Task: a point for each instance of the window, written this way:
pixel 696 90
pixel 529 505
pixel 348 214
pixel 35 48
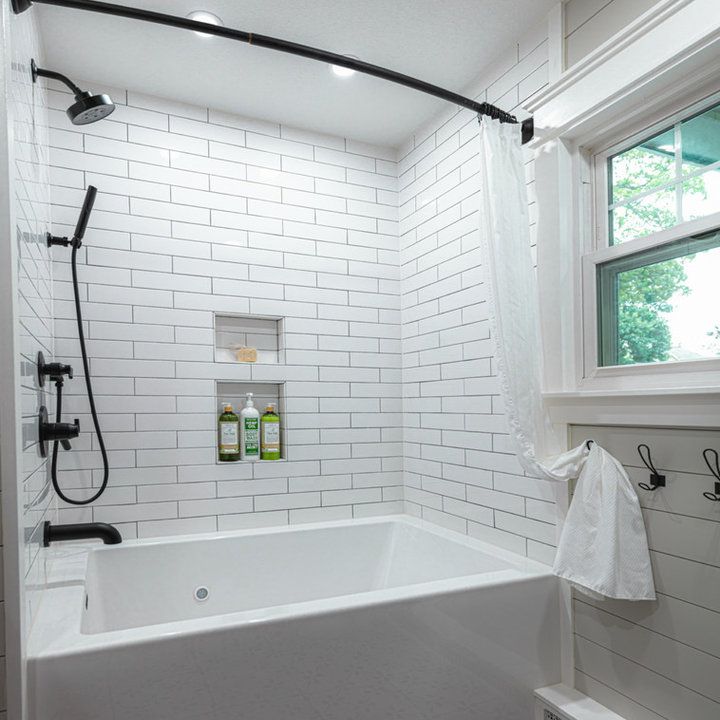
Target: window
pixel 653 275
pixel 662 304
pixel 666 180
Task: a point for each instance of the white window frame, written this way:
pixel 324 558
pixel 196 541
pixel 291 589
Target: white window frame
pixel 595 250
pixel 643 75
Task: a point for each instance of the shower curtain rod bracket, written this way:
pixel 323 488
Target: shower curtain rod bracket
pixel 133 13
pixel 528 130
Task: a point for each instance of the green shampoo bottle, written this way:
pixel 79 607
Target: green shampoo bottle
pixel 270 434
pixel 228 435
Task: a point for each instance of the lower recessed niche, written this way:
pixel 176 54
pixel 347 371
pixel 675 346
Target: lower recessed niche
pixel 235 393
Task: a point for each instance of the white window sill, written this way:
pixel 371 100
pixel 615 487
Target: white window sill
pixel 697 407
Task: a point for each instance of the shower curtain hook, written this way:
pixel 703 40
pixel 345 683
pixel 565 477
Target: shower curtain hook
pixel 715 497
pixel 656 479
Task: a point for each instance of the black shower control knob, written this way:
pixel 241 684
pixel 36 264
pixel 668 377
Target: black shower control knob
pixel 59 431
pixel 54 370
pixel 57 370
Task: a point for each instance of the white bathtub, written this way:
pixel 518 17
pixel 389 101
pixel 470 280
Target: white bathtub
pixel 383 619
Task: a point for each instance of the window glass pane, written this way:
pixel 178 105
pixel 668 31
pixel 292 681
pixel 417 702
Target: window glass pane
pixel 701 195
pixel 643 167
pixel 661 305
pixel 701 140
pixel 641 217
pixel 670 178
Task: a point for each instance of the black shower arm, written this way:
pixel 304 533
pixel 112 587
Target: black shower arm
pixel 40 72
pixel 288 47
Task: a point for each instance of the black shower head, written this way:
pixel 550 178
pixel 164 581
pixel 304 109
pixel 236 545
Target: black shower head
pixel 87 108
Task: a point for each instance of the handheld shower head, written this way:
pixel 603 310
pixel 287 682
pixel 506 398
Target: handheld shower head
pixel 81 226
pixel 87 207
pixel 87 108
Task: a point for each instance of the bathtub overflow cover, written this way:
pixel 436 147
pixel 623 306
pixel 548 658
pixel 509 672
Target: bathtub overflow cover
pixel 202 593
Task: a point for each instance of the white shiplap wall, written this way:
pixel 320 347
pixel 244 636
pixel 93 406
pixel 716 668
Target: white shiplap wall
pixel 200 211
pixel 660 660
pixel 460 469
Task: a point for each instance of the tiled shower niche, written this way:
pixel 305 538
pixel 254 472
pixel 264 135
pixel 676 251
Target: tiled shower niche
pixel 235 393
pixel 234 332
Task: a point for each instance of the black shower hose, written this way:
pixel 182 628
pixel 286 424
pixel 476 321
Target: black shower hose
pixel 91 399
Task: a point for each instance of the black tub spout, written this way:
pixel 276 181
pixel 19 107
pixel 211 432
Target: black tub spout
pixel 80 531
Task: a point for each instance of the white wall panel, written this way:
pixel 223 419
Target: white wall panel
pixel 660 659
pixel 589 23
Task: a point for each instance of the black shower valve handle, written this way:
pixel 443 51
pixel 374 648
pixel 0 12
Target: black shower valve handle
pixel 55 431
pixel 61 431
pixel 66 443
pixel 74 425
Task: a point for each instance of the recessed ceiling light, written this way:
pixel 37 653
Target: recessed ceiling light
pixel 204 17
pixel 341 71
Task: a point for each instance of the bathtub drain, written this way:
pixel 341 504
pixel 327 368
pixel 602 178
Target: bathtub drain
pixel 201 593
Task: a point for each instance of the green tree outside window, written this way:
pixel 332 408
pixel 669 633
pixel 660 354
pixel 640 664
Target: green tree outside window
pixel 644 294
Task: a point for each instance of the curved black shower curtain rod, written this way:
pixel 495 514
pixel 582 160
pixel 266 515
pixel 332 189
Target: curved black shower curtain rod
pixel 265 41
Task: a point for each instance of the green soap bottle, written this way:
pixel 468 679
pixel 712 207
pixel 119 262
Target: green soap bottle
pixel 270 434
pixel 228 435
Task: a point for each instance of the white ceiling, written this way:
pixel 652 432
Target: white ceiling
pixel 446 42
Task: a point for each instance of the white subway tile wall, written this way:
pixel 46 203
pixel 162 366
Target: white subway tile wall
pixel 460 470
pixel 655 661
pixel 30 201
pixel 202 213
pixel 387 408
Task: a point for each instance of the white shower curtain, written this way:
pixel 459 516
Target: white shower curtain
pixel 603 548
pixel 513 299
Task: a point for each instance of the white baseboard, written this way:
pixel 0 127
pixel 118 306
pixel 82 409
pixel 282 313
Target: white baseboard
pixel 568 704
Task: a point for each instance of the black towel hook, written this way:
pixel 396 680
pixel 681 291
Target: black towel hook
pixel 588 444
pixel 656 479
pixel 715 497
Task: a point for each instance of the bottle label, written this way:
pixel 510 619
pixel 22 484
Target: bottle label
pixel 251 435
pixel 271 436
pixel 229 437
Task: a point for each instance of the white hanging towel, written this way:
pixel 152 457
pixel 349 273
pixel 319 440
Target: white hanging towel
pixel 603 550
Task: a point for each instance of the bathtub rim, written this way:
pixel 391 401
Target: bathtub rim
pixel 56 630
